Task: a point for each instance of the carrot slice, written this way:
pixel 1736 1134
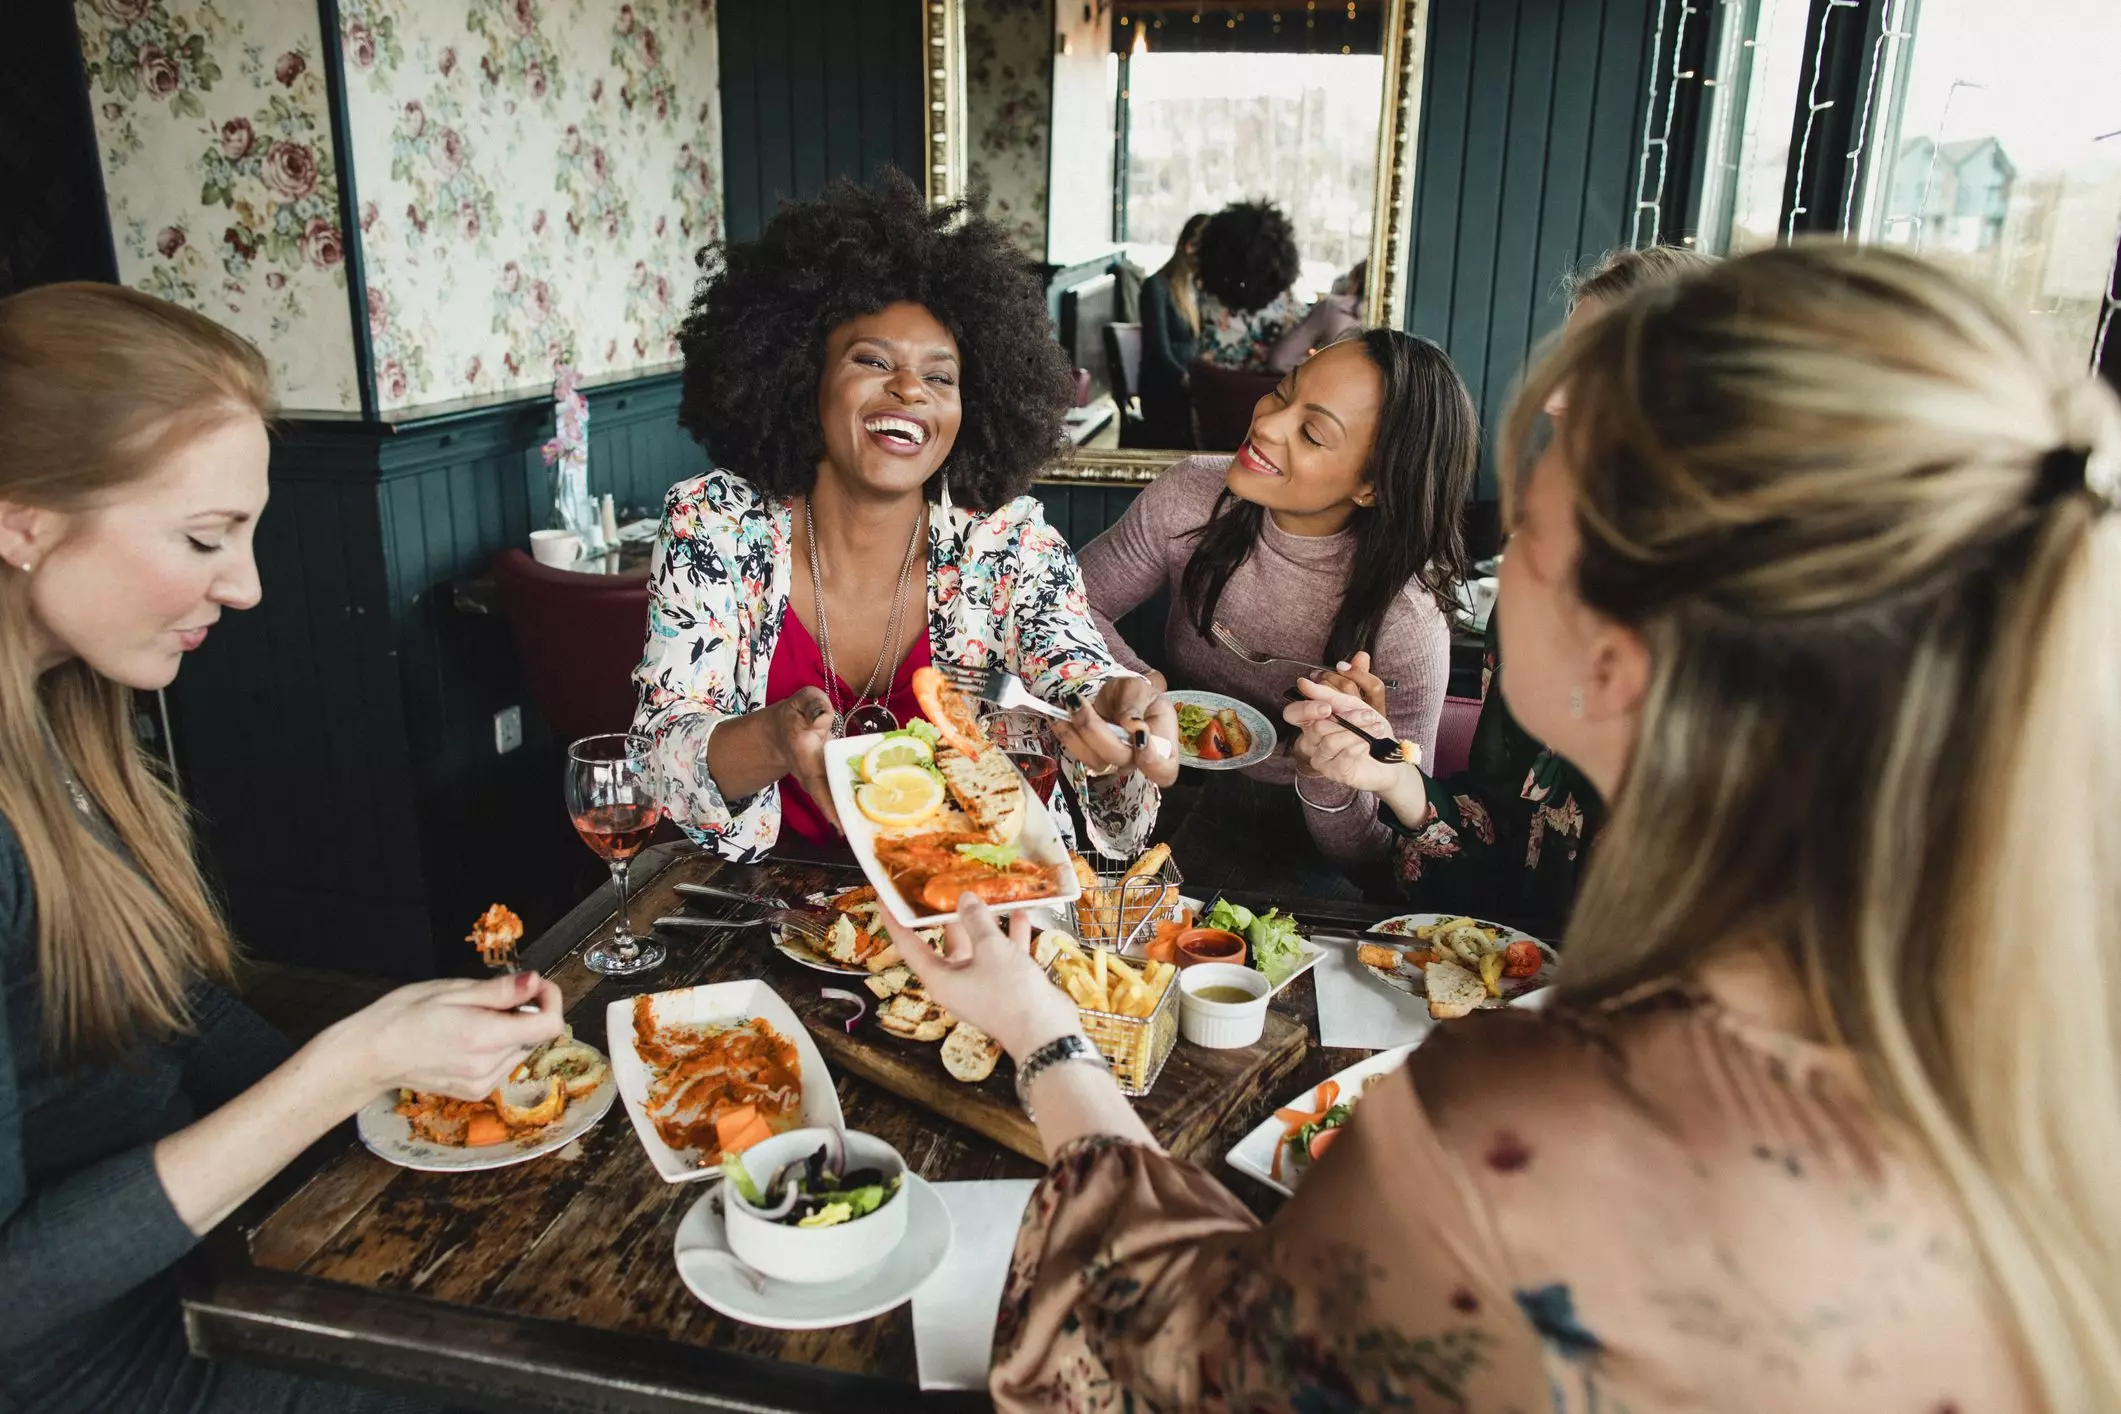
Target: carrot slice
pixel 732 1122
pixel 485 1127
pixel 947 709
pixel 1327 1093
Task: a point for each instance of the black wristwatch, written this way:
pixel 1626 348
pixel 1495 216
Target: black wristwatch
pixel 1074 1046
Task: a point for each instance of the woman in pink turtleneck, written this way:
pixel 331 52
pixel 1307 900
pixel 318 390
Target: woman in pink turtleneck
pixel 1333 536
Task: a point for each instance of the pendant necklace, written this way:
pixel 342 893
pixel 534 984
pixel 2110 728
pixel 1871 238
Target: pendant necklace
pixel 861 716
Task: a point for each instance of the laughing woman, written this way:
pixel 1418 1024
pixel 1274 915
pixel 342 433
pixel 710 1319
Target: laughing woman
pixel 1332 537
pixel 875 383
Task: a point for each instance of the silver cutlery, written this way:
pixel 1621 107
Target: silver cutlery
pixel 1261 660
pixel 732 895
pixel 1007 691
pixel 1384 749
pixel 686 923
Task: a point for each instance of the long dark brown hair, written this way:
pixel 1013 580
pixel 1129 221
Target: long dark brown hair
pixel 1421 467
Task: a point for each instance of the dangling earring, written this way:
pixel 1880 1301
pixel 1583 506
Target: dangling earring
pixel 1576 702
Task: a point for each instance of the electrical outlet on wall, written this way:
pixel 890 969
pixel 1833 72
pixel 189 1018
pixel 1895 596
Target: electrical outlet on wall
pixel 507 730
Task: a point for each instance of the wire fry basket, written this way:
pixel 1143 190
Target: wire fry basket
pixel 1122 913
pixel 1136 1046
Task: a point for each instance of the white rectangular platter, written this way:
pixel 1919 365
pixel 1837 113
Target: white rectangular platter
pixel 713 1002
pixel 1040 842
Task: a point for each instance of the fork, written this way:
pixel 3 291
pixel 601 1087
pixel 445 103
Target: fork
pixel 1384 749
pixel 1006 690
pixel 1261 660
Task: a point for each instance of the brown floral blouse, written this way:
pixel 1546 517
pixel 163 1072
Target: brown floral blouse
pixel 1651 1206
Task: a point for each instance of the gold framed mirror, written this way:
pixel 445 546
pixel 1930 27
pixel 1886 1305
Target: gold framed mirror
pixel 1404 36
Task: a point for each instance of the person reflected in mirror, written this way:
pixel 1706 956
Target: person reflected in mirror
pixel 1508 836
pixel 1337 315
pixel 1248 268
pixel 1333 537
pixel 876 383
pixel 1815 583
pixel 1170 310
pixel 140 1101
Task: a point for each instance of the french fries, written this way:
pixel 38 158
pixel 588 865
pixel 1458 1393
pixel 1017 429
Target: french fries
pixel 1100 980
pixel 1112 910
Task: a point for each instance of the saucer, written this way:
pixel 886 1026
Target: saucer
pixel 790 1306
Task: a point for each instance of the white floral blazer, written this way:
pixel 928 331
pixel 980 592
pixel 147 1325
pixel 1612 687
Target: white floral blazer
pixel 1003 587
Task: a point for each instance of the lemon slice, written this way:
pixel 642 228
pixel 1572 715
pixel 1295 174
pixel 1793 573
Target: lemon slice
pixel 899 795
pixel 898 751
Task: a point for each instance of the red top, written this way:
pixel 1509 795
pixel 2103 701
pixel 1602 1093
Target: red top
pixel 798 664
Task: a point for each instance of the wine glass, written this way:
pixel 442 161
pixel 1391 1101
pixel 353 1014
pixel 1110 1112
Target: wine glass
pixel 612 799
pixel 1023 737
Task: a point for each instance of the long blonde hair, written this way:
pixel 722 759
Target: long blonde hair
pixel 1182 271
pixel 98 386
pixel 1863 522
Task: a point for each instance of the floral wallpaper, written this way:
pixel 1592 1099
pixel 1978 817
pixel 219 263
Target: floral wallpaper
pixel 1008 94
pixel 534 178
pixel 220 177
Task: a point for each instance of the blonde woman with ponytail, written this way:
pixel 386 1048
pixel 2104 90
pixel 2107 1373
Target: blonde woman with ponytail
pixel 140 1103
pixel 1816 582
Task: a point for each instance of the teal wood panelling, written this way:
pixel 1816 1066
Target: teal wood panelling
pixel 337 741
pixel 1081 513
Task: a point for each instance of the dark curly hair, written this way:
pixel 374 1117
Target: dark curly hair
pixel 754 339
pixel 1248 255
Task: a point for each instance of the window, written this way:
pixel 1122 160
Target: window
pixel 1759 72
pixel 1998 151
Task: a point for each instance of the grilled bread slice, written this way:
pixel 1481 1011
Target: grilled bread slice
pixel 1453 991
pixel 969 1054
pixel 989 791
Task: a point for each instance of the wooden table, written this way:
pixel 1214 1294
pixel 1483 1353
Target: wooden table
pixel 551 1285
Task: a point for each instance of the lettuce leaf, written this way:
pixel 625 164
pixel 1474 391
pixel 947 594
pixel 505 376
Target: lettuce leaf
pixel 1229 917
pixel 740 1178
pixel 1275 945
pixel 994 856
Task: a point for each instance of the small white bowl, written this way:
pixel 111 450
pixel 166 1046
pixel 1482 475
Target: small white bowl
pixel 814 1255
pixel 1222 1026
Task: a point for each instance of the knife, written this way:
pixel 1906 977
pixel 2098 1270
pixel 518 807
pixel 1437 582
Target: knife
pixel 731 895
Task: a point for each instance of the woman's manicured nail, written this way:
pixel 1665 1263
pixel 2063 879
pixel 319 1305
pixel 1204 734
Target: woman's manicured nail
pixel 1342 666
pixel 1141 739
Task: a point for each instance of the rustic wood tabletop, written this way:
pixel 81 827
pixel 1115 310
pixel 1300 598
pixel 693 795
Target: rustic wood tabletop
pixel 551 1284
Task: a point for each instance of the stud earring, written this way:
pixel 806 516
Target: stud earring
pixel 1576 702
pixel 28 565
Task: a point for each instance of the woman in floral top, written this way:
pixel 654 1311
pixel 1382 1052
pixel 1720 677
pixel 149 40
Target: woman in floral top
pixel 1248 262
pixel 875 383
pixel 1806 1125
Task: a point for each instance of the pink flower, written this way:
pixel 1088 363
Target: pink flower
pixel 447 64
pixel 611 225
pixel 650 50
pixel 537 222
pixel 661 222
pixel 473 369
pixel 599 168
pixel 239 243
pixel 571 143
pixel 662 292
pixel 123 11
pixel 237 139
pixel 412 214
pixel 392 378
pixel 169 241
pixel 524 14
pixel 625 19
pixel 290 169
pixel 611 351
pixel 322 244
pixel 487 68
pixel 159 74
pixel 290 67
pixel 378 311
pixel 540 300
pixel 274 280
pixel 467 220
pixel 113 112
pixel 511 278
pixel 368 214
pixel 534 74
pixel 640 272
pixel 414 120
pixel 449 151
pixel 360 45
pixel 596 92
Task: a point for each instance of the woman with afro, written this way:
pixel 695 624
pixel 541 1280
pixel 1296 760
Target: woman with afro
pixel 1248 262
pixel 874 381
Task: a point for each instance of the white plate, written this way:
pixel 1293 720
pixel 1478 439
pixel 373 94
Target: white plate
pixel 1254 1153
pixel 817 962
pixel 718 1002
pixel 1409 983
pixel 1040 842
pixel 1262 730
pixel 390 1135
pixel 789 1306
pixel 1310 952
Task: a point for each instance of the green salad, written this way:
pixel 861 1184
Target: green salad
pixel 1277 949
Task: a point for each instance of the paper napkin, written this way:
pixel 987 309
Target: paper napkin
pixel 1359 1013
pixel 954 1311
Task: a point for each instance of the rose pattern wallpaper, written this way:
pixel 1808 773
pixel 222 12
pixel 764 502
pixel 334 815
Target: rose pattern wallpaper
pixel 219 173
pixel 534 176
pixel 534 179
pixel 1008 101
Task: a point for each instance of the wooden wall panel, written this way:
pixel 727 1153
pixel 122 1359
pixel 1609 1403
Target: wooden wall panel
pixel 828 88
pixel 1531 119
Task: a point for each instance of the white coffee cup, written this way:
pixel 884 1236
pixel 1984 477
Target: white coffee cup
pixel 556 548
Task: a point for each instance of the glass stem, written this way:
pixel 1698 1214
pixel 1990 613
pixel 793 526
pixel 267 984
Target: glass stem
pixel 622 939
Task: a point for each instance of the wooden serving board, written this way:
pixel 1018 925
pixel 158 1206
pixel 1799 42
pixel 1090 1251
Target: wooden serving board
pixel 1197 1090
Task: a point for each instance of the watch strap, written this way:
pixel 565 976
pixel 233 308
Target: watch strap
pixel 1073 1047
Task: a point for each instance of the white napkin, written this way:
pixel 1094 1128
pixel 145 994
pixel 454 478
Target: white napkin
pixel 954 1311
pixel 1361 1014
